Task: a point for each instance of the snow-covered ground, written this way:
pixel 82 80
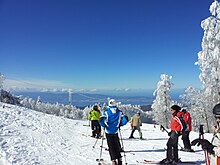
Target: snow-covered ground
pixel 28 138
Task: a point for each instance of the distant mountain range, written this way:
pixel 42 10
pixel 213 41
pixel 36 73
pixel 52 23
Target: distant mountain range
pixel 85 99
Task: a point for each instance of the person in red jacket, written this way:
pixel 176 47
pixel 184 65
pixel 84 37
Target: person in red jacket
pixel 172 144
pixel 185 136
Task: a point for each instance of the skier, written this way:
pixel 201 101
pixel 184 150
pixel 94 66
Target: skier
pixel 212 148
pixel 136 124
pixel 185 136
pixel 172 144
pixel 94 116
pixel 111 119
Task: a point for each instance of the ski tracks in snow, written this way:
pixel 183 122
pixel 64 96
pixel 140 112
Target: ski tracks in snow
pixel 33 138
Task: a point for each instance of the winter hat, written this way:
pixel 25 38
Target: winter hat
pixel 184 110
pixel 95 107
pixel 112 102
pixel 176 107
pixel 216 109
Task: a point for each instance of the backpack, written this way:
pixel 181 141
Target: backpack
pixel 183 124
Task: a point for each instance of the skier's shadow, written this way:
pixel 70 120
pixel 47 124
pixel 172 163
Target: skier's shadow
pixel 199 162
pixel 158 150
pixel 158 139
pixel 145 139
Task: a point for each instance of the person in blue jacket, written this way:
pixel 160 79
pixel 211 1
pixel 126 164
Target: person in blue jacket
pixel 112 118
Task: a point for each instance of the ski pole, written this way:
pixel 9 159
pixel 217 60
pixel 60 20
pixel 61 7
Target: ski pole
pixel 95 143
pixel 164 129
pixel 100 156
pixel 201 136
pixel 122 146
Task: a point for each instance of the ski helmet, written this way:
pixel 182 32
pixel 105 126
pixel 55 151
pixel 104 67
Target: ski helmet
pixel 216 109
pixel 112 102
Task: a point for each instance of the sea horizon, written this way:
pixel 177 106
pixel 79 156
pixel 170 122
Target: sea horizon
pixel 87 99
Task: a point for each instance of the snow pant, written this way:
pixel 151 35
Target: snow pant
pixel 172 146
pixel 96 128
pixel 186 141
pixel 114 147
pixel 136 128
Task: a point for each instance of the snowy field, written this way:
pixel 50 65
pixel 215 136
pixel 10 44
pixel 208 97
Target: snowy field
pixel 30 138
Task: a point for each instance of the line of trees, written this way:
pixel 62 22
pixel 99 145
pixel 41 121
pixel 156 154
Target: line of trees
pixel 73 112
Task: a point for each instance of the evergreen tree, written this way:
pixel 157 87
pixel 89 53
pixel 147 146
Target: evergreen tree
pixel 209 56
pixel 202 102
pixel 161 105
pixel 2 78
pixel 194 100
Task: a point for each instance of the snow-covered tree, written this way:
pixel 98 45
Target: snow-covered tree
pixel 195 102
pixel 209 56
pixel 39 100
pixel 130 110
pixel 2 78
pixel 70 97
pixel 209 60
pixel 161 105
pixel 86 111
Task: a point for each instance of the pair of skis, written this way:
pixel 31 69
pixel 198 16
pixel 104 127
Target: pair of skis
pixel 159 162
pixel 102 162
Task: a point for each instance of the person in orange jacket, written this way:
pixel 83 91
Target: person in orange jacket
pixel 185 136
pixel 172 144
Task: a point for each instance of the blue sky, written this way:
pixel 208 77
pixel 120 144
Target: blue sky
pixel 101 44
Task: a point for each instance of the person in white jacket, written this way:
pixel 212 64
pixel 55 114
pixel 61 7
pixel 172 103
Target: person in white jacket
pixel 213 147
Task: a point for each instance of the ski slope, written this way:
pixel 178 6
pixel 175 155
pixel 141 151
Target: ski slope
pixel 28 137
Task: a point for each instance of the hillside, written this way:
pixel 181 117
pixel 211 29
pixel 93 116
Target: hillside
pixel 28 138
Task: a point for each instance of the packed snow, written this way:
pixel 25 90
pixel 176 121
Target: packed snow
pixel 29 137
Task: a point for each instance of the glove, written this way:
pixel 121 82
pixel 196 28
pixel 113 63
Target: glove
pixel 206 145
pixel 126 117
pixel 196 141
pixel 173 134
pixel 169 133
pixel 101 119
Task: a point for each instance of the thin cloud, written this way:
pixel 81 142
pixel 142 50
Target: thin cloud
pixel 40 85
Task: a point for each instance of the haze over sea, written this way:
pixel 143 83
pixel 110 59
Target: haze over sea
pixel 86 99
